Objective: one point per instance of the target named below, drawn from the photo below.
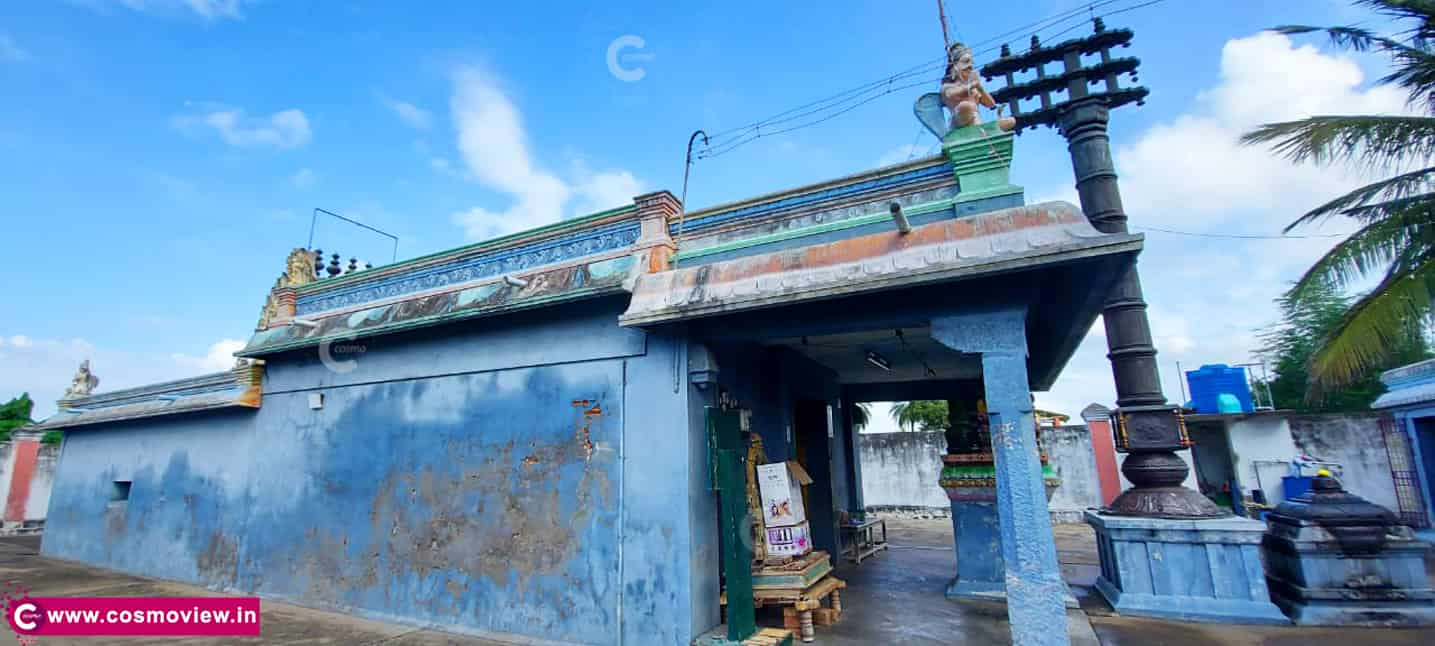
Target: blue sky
(158, 158)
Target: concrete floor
(895, 597)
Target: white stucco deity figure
(83, 383)
(962, 91)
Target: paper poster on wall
(781, 495)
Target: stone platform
(1190, 570)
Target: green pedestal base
(981, 156)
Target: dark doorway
(1215, 474)
(1425, 439)
(812, 448)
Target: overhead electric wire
(822, 110)
(1045, 23)
(1104, 15)
(758, 134)
(1242, 236)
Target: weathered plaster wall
(7, 466)
(186, 508)
(706, 583)
(37, 491)
(527, 477)
(901, 470)
(1261, 446)
(1068, 451)
(40, 487)
(1356, 442)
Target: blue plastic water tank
(1209, 382)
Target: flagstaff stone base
(981, 571)
(980, 568)
(1190, 570)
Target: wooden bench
(861, 541)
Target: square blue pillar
(1035, 591)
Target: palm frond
(1389, 190)
(1374, 326)
(1352, 38)
(1370, 250)
(1414, 210)
(1371, 141)
(1421, 11)
(1414, 68)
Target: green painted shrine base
(981, 157)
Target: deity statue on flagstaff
(962, 91)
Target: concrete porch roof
(1046, 256)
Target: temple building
(511, 438)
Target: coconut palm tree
(861, 416)
(924, 415)
(1395, 216)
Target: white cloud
(219, 357)
(10, 51)
(1189, 172)
(598, 191)
(493, 145)
(412, 115)
(303, 178)
(208, 10)
(283, 129)
(44, 367)
(1209, 296)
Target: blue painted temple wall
(534, 475)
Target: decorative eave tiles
(586, 279)
(480, 262)
(237, 388)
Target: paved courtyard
(893, 598)
(897, 597)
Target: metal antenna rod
(942, 16)
(315, 218)
(688, 166)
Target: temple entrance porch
(800, 370)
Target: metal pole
(1181, 380)
(688, 166)
(1152, 429)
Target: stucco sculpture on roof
(963, 95)
(962, 90)
(299, 269)
(83, 383)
